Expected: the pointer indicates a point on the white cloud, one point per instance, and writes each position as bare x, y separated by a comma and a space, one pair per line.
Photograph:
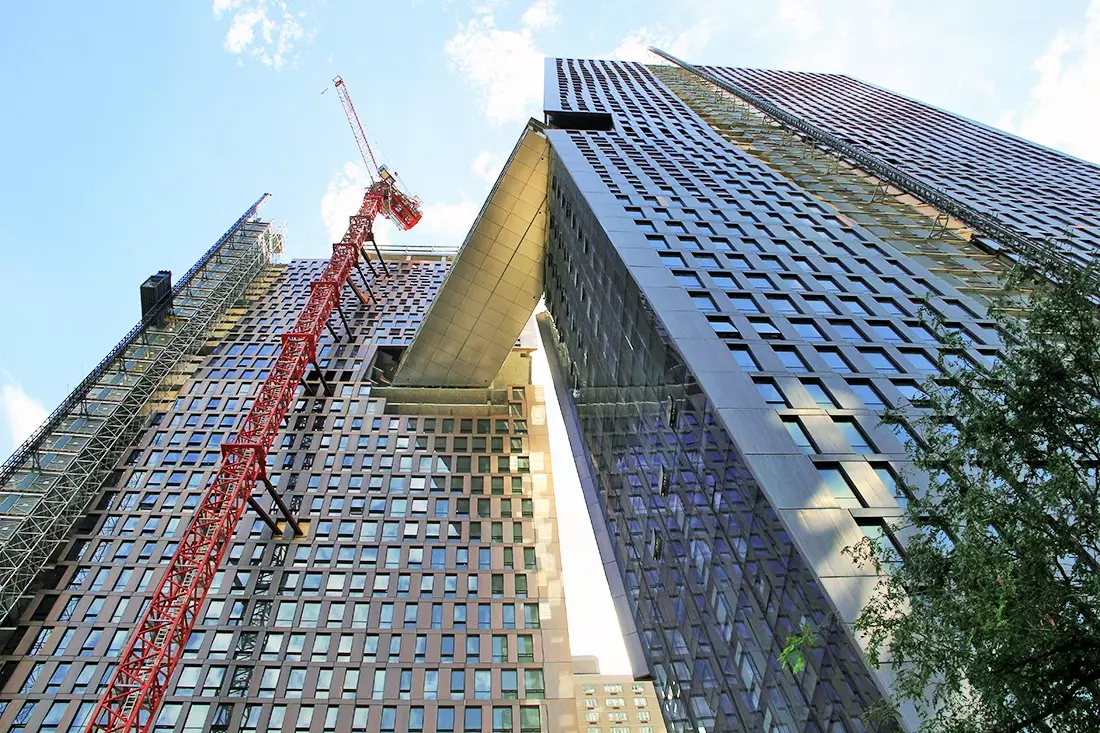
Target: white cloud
487, 165
1064, 105
541, 14
445, 224
801, 17
699, 23
265, 29
21, 413
241, 33
857, 37
686, 44
635, 46
504, 66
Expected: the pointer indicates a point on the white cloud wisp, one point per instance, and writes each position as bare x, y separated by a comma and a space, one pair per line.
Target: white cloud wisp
21, 413
686, 43
504, 66
265, 29
1064, 106
487, 165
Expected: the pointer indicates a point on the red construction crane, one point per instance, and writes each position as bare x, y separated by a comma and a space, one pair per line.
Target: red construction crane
133, 696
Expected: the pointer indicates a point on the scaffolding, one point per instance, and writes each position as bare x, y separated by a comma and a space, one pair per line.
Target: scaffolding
46, 485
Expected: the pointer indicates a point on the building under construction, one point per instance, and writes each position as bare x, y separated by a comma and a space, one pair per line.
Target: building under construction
317, 496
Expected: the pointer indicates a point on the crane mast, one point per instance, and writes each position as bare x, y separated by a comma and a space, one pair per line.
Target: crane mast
133, 696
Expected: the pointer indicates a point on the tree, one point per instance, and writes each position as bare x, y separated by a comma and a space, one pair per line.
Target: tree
993, 612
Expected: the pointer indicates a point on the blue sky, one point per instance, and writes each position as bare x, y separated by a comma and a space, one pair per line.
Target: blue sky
135, 133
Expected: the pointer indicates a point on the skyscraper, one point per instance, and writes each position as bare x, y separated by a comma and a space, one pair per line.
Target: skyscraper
734, 264
736, 268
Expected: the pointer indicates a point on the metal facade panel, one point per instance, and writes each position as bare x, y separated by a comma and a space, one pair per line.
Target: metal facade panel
494, 284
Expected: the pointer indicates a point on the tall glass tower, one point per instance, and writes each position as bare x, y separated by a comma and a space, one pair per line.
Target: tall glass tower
736, 266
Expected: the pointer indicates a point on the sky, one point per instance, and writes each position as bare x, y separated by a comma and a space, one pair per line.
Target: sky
134, 134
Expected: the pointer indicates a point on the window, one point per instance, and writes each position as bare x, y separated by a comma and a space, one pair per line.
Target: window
509, 684
798, 435
808, 331
687, 279
819, 394
887, 332
704, 302
445, 720
847, 331
533, 684
821, 305
529, 721
791, 359
744, 303
770, 393
472, 719
866, 392
744, 358
837, 482
765, 328
416, 719
296, 678
530, 616
782, 304
525, 648
877, 531
889, 481
389, 719
835, 360
852, 433
723, 326
910, 391
879, 361
921, 362
502, 720
473, 648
